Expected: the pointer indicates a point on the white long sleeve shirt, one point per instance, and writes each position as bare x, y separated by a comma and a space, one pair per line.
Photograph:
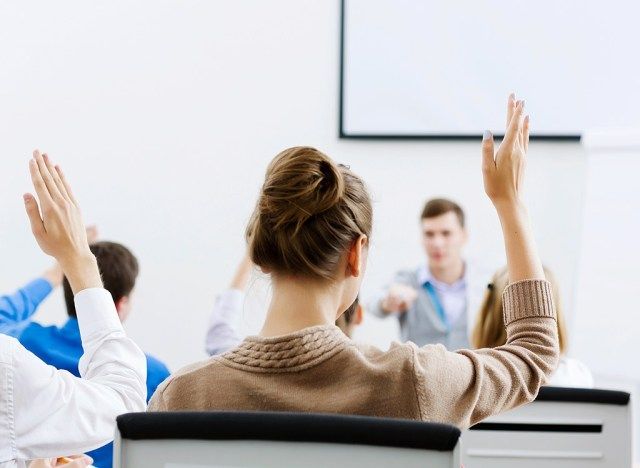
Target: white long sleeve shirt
45, 412
222, 334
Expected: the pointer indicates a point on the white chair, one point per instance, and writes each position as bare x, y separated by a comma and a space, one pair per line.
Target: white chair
252, 439
255, 439
562, 428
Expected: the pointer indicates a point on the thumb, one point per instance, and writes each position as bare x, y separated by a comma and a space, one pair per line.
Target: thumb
488, 161
33, 212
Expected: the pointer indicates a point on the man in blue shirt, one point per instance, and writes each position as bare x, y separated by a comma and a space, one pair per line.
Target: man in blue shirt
61, 347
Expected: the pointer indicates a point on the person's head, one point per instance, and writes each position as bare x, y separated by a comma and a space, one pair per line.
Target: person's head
489, 330
351, 318
119, 270
312, 223
443, 232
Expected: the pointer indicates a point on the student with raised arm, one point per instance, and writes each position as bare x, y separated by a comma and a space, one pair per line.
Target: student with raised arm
44, 412
310, 230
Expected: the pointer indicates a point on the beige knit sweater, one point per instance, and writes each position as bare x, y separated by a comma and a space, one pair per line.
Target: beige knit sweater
319, 369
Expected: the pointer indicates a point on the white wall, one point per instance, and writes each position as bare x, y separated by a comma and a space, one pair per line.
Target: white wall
165, 114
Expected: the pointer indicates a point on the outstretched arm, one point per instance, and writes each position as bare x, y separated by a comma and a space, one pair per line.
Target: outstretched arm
480, 383
222, 333
55, 413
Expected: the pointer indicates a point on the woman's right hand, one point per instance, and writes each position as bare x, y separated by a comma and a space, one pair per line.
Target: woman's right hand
503, 172
503, 175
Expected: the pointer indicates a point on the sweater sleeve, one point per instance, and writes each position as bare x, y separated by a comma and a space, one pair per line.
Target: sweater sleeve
465, 387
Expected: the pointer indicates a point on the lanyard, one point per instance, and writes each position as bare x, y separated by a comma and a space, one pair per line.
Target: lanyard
431, 291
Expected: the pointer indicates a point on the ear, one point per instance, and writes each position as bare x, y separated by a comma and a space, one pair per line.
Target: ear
122, 303
359, 315
355, 256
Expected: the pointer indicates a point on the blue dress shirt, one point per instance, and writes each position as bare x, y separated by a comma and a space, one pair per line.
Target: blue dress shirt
60, 347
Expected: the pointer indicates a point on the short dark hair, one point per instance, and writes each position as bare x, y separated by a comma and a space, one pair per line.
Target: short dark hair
439, 206
351, 311
118, 268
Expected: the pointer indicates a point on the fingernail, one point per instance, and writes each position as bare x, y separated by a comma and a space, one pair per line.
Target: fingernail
512, 96
486, 135
26, 198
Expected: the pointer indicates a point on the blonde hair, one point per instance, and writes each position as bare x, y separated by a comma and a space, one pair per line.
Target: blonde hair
309, 213
489, 330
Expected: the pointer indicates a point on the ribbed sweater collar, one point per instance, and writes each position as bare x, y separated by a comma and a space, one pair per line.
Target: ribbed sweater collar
287, 353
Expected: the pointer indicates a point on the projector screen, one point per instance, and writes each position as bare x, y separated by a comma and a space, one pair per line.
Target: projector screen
441, 69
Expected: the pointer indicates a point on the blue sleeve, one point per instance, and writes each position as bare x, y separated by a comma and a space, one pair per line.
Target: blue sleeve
20, 306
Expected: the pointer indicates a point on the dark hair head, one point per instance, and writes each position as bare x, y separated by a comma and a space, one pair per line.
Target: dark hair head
439, 206
309, 212
118, 268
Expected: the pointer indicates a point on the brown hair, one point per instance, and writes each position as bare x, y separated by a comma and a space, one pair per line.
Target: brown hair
351, 311
118, 268
489, 330
309, 212
439, 206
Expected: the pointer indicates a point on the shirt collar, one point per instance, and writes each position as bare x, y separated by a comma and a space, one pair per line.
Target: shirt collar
425, 276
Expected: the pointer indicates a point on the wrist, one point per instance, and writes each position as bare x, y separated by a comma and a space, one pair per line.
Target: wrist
82, 272
510, 207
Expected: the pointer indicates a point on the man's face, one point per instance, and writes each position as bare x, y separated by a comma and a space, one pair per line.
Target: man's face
443, 239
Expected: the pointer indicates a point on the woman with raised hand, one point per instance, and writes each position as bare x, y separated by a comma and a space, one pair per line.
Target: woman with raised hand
310, 230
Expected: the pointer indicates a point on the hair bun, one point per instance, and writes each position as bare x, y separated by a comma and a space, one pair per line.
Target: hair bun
309, 213
301, 182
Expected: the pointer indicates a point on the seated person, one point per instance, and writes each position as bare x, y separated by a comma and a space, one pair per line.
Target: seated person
222, 334
45, 412
310, 231
61, 347
489, 332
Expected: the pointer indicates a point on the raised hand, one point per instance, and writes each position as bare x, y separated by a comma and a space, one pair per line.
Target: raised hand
57, 225
503, 171
503, 174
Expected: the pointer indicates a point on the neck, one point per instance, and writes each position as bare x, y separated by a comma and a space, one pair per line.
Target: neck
449, 274
299, 304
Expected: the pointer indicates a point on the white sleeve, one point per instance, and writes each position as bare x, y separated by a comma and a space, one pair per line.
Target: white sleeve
222, 334
56, 413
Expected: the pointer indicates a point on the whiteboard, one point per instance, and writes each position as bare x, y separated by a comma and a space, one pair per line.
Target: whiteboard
417, 68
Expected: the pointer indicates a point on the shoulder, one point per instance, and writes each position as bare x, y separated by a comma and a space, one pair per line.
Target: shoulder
407, 276
189, 373
398, 356
36, 331
155, 365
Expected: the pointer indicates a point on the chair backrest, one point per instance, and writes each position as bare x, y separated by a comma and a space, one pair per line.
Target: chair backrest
251, 439
562, 428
